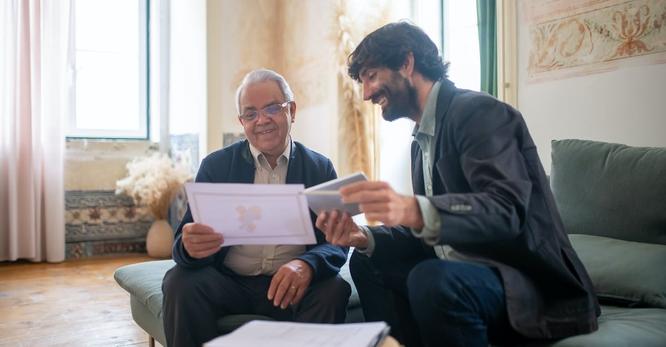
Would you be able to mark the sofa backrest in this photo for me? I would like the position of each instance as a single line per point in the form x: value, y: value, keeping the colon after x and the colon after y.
x: 610, y: 190
x: 612, y: 199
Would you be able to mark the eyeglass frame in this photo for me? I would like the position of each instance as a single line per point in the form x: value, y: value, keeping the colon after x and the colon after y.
x: 264, y: 112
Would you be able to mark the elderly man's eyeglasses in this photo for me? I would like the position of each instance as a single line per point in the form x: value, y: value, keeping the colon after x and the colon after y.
x: 270, y: 111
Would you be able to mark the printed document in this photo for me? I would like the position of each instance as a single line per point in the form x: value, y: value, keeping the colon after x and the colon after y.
x: 253, y: 214
x: 290, y: 334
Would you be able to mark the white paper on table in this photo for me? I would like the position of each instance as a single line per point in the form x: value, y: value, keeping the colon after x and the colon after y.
x: 290, y: 334
x: 253, y: 214
x: 326, y: 196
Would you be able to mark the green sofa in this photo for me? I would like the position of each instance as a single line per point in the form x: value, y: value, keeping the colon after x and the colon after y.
x: 144, y: 283
x: 612, y: 199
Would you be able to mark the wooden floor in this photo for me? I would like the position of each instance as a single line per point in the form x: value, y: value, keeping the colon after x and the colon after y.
x: 74, y: 303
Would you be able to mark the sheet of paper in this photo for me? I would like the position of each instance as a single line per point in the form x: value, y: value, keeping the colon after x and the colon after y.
x: 253, y: 214
x: 289, y: 334
x: 325, y: 196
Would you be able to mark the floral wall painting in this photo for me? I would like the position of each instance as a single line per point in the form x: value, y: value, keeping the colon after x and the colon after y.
x: 577, y: 37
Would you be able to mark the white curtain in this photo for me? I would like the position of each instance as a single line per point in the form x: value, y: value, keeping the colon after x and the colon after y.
x: 34, y: 94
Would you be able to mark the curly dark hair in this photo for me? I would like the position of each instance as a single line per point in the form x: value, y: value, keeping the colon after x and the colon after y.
x: 389, y: 46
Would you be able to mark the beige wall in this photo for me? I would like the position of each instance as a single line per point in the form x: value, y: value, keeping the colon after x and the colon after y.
x: 95, y: 165
x: 295, y: 38
x: 625, y: 105
x: 299, y: 39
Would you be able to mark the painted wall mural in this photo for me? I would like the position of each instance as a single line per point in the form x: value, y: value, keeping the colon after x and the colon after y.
x: 570, y: 38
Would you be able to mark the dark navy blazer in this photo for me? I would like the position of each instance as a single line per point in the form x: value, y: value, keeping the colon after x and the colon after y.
x: 497, y: 208
x: 235, y: 164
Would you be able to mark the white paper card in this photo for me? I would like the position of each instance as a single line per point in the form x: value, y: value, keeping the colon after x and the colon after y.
x: 290, y: 334
x: 253, y: 214
x: 325, y: 196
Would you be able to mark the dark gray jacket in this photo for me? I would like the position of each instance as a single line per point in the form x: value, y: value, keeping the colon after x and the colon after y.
x: 497, y: 208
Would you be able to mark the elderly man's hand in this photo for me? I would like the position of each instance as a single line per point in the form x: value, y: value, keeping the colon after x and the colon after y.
x: 340, y: 229
x: 290, y: 283
x: 200, y: 240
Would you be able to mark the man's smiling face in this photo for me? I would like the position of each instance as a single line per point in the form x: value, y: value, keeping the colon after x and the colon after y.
x: 268, y: 134
x: 390, y: 90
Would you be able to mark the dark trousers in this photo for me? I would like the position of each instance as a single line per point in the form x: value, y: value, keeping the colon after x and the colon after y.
x: 382, y: 291
x: 434, y: 302
x: 194, y: 299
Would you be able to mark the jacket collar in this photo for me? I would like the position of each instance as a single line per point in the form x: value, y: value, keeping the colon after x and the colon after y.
x: 446, y: 92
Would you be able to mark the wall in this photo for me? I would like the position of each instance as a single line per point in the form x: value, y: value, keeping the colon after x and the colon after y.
x: 291, y: 37
x: 242, y: 35
x: 625, y: 105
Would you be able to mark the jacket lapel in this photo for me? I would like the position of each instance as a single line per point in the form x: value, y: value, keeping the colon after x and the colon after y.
x: 243, y: 170
x: 446, y: 92
x: 294, y: 168
x: 417, y: 169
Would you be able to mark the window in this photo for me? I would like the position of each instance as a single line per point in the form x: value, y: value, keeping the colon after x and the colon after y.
x: 110, y: 91
x: 461, y: 43
x: 452, y: 25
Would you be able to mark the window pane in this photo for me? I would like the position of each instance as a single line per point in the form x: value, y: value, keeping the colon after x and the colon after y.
x: 462, y: 43
x: 110, y: 93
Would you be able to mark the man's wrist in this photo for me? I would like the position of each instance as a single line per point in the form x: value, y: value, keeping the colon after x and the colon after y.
x: 305, y: 266
x: 370, y: 246
x: 413, y: 216
x: 362, y: 240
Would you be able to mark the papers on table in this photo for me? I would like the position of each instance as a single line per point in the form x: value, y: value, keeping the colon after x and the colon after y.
x: 325, y: 196
x: 253, y: 214
x: 289, y: 334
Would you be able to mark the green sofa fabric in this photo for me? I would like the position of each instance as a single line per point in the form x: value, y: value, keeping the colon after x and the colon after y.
x: 621, y: 326
x: 610, y: 190
x: 612, y: 199
x: 624, y: 271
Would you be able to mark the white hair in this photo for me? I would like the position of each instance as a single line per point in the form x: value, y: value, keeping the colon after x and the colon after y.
x: 263, y: 75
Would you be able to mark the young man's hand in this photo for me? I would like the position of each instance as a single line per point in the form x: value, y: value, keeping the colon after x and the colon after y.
x: 341, y: 230
x: 381, y: 203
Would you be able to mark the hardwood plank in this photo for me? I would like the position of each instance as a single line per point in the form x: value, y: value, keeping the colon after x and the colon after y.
x: 73, y: 303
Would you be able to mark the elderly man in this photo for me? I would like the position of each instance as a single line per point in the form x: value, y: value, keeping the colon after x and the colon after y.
x: 285, y: 282
x: 479, y: 254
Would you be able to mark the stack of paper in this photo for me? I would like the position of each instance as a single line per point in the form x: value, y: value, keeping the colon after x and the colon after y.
x: 290, y: 334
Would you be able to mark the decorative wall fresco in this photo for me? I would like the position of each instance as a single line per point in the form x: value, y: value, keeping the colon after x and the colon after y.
x: 569, y: 38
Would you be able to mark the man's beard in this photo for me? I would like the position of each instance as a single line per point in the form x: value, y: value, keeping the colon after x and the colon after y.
x: 401, y: 98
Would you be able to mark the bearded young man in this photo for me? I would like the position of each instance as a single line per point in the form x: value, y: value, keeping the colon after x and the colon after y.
x: 479, y: 253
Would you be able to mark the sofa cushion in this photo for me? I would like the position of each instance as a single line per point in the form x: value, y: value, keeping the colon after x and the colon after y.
x: 625, y: 272
x: 144, y: 282
x: 620, y: 326
x: 610, y: 190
